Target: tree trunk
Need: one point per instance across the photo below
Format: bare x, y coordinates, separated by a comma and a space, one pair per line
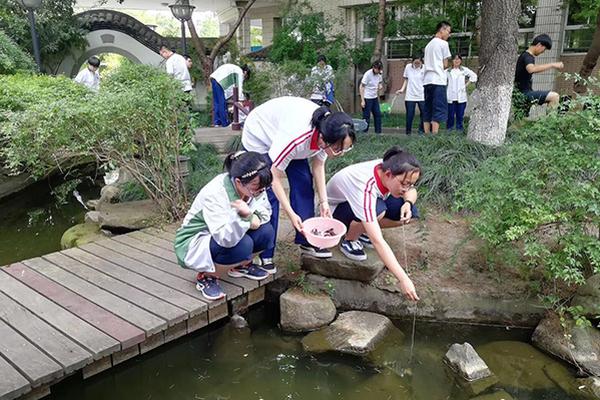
378, 50
591, 58
491, 100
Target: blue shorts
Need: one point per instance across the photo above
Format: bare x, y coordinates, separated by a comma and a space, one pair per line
391, 206
436, 105
536, 96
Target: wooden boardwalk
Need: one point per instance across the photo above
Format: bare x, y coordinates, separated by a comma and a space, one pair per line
90, 308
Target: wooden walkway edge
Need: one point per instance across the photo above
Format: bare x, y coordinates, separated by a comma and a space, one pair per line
87, 309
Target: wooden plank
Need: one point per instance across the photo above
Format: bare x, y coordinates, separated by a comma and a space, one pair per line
12, 384
96, 367
154, 341
127, 311
186, 286
217, 313
37, 393
166, 234
152, 240
87, 335
142, 252
154, 305
36, 366
256, 296
197, 322
191, 305
125, 355
62, 349
175, 332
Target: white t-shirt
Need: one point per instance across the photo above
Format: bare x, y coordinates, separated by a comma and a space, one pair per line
177, 67
436, 51
228, 76
89, 79
457, 88
414, 87
321, 78
371, 83
360, 186
281, 128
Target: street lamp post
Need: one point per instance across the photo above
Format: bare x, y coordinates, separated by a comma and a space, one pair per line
182, 10
31, 6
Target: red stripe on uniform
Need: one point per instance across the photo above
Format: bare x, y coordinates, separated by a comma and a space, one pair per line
367, 198
288, 149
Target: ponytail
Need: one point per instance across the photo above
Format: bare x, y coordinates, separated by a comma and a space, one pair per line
247, 165
399, 161
333, 126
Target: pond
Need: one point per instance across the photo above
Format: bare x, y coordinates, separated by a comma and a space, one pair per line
219, 363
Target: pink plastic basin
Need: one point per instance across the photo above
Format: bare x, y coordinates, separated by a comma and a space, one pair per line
323, 224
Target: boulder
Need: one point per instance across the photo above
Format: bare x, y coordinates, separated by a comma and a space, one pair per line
81, 234
577, 345
109, 194
470, 371
357, 333
131, 215
580, 389
339, 266
499, 395
302, 312
590, 387
588, 297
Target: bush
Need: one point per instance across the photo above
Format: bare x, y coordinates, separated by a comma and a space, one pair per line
543, 192
12, 58
137, 122
205, 164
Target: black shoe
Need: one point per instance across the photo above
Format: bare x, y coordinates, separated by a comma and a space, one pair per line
267, 265
311, 250
353, 249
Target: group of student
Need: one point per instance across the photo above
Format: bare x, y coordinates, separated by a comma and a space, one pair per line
233, 221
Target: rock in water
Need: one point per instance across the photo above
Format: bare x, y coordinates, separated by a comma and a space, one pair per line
301, 312
339, 266
81, 234
499, 395
463, 359
238, 322
588, 297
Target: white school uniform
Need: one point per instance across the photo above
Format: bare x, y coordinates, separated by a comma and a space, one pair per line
228, 76
371, 82
457, 88
414, 87
436, 51
88, 78
360, 186
177, 67
211, 216
281, 128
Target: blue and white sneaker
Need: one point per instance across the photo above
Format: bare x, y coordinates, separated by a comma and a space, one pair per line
365, 241
353, 249
209, 287
267, 265
250, 271
311, 250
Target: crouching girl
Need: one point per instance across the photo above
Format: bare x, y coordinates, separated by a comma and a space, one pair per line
228, 224
372, 195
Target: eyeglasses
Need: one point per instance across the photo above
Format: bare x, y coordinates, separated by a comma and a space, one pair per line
403, 184
256, 193
338, 150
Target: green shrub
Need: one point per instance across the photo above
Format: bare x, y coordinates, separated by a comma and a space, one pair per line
542, 192
12, 58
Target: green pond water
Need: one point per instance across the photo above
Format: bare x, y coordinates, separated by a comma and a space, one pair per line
219, 363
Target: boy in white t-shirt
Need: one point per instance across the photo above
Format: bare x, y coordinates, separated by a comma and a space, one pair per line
415, 96
370, 85
435, 79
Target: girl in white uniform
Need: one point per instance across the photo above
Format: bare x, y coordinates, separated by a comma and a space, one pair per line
456, 93
290, 131
372, 195
228, 224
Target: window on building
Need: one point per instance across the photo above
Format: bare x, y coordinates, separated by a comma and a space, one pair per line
256, 34
527, 17
578, 32
525, 38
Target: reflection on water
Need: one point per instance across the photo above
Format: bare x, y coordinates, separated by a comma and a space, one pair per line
262, 363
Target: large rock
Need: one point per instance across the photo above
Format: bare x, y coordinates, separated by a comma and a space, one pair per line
577, 345
590, 387
356, 333
499, 395
580, 389
131, 215
81, 234
588, 297
109, 194
471, 372
301, 312
340, 266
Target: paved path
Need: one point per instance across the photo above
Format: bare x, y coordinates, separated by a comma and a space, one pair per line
90, 308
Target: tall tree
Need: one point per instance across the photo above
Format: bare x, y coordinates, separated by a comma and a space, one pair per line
378, 50
497, 59
207, 60
591, 58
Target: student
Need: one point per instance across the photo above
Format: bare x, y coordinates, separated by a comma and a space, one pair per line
223, 79
526, 67
413, 84
228, 224
372, 195
370, 85
89, 76
322, 77
177, 67
290, 131
437, 53
458, 77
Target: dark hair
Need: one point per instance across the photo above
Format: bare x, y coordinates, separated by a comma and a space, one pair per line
94, 61
399, 161
441, 25
321, 57
334, 126
187, 57
455, 56
377, 64
247, 165
247, 70
544, 40
164, 46
417, 56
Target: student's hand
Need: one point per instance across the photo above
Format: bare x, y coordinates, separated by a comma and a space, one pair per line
254, 222
408, 289
297, 222
362, 103
559, 65
405, 213
325, 210
241, 207
399, 91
